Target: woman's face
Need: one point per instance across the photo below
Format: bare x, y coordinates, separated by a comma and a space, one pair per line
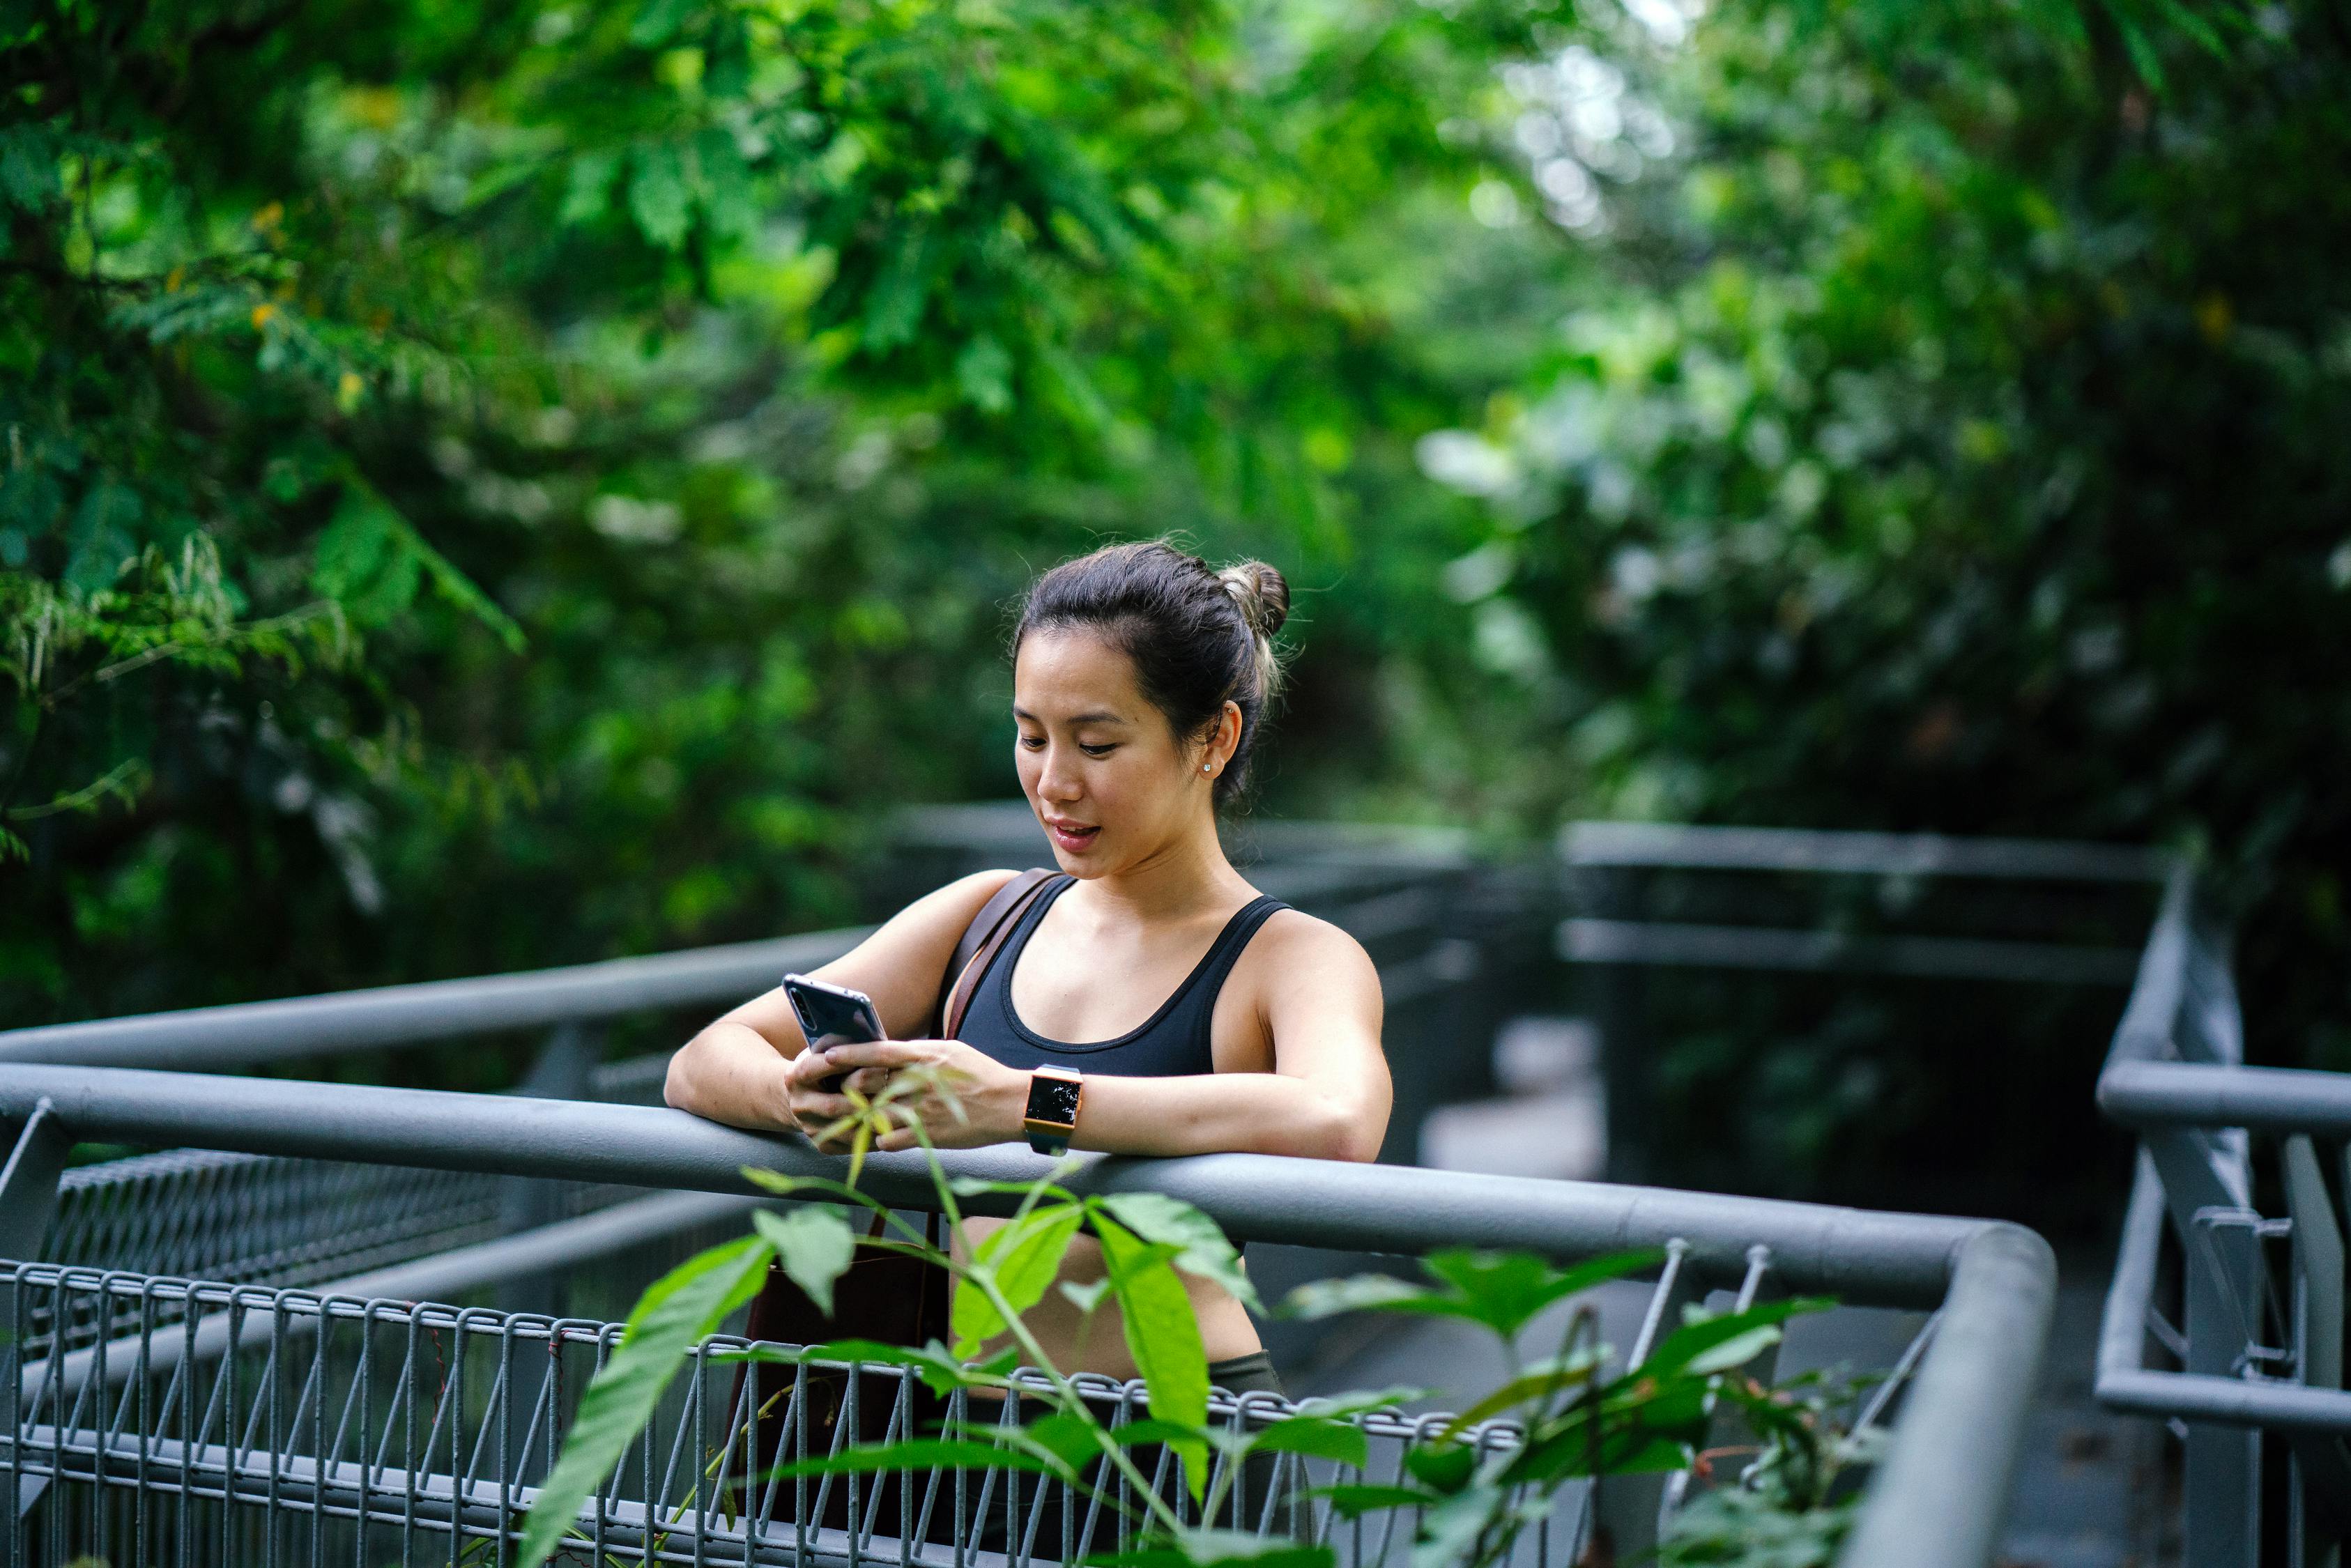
1101, 768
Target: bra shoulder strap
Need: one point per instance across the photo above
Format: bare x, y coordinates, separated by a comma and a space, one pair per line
981, 940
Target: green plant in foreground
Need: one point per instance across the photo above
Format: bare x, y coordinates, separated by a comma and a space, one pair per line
1569, 1420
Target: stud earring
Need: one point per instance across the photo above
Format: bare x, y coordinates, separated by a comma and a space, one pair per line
1206, 769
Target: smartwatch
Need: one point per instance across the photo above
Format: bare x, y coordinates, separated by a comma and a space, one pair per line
1054, 1095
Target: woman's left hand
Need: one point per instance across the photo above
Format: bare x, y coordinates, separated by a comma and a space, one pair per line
994, 1098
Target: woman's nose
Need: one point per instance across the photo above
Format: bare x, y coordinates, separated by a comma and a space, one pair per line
1057, 784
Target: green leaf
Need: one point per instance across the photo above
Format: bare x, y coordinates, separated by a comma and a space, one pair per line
814, 1243
1538, 1382
983, 373
1445, 1468
1357, 1293
659, 199
1086, 1297
1680, 1348
589, 193
1504, 1290
1219, 1549
373, 562
1163, 1335
1317, 1437
680, 1309
1354, 1501
894, 305
1448, 1528
1204, 1248
923, 1454
1737, 1351
1358, 1401
1066, 1437
28, 168
1022, 1259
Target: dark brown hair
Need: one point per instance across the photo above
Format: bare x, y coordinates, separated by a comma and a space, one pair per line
1199, 637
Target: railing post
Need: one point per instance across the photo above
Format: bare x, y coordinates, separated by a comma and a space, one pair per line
38, 1148
2224, 1290
1620, 1003
1630, 1507
2319, 1498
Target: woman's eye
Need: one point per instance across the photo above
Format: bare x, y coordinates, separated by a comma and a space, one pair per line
1097, 751
1033, 742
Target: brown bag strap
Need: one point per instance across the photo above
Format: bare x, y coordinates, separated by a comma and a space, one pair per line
982, 940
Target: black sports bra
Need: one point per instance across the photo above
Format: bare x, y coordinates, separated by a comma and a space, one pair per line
1172, 1043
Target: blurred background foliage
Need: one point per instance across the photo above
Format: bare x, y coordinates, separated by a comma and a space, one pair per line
488, 485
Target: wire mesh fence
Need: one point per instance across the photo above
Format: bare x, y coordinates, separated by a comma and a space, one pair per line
188, 1424
258, 1219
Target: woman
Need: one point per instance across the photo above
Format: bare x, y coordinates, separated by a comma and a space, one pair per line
1198, 1014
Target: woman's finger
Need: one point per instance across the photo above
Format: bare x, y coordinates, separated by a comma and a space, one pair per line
869, 1081
808, 1067
876, 1053
820, 1110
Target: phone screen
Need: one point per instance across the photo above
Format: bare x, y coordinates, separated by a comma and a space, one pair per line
831, 1014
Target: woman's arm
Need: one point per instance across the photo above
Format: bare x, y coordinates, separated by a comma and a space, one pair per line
738, 1068
1328, 1096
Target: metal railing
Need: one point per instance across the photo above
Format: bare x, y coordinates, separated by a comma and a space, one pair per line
281, 1417
1652, 895
2247, 1308
1444, 932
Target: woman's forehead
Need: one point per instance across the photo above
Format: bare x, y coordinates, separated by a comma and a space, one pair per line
1072, 674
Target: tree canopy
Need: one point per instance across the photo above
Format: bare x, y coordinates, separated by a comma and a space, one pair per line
492, 485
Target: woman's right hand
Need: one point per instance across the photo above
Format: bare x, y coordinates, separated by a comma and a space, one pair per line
815, 1102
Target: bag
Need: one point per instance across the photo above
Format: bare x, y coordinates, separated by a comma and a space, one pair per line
884, 1296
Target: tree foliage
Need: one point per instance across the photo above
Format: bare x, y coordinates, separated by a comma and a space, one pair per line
485, 485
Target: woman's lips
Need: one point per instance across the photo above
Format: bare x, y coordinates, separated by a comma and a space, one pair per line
1074, 835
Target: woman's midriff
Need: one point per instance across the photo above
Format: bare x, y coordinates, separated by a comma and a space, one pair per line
1078, 1341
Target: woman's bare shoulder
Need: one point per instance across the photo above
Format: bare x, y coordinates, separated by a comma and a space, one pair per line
1293, 947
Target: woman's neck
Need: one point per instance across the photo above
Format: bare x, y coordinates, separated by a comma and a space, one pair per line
1180, 877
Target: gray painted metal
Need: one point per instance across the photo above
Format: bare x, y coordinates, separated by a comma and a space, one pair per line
1892, 1260
1882, 854
249, 1033
442, 1277
373, 1431
1673, 943
1939, 1499
2280, 1100
2124, 1380
38, 1148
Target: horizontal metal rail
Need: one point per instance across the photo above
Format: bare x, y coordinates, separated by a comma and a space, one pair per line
2280, 1100
2125, 1383
1375, 901
1687, 847
245, 1034
1680, 943
1940, 1492
439, 1277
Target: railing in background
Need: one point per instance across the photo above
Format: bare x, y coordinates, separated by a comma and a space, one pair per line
1614, 933
2247, 1307
1445, 930
115, 1436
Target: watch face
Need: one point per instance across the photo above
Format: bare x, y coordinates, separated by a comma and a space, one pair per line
1053, 1101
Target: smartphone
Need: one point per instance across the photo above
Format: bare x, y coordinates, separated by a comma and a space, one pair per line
832, 1015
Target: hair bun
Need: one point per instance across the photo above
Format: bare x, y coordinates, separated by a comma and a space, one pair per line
1262, 593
